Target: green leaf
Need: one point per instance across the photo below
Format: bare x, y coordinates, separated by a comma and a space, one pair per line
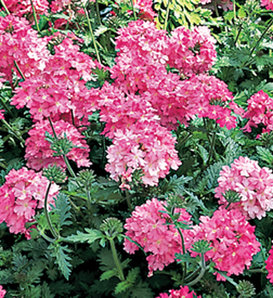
265, 154
90, 236
62, 258
108, 274
62, 209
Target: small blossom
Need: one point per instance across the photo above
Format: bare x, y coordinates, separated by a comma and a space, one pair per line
269, 265
183, 292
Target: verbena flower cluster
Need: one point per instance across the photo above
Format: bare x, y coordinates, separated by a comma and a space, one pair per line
21, 194
253, 183
259, 111
232, 240
183, 292
38, 152
21, 8
147, 226
20, 44
269, 265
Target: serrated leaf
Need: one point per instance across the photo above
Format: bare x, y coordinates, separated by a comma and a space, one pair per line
90, 236
265, 154
122, 287
108, 274
62, 209
62, 258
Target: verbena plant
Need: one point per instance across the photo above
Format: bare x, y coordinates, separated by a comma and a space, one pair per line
136, 148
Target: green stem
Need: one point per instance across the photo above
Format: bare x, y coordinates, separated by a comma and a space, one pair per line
5, 7
128, 201
19, 70
261, 37
211, 147
6, 107
92, 34
167, 16
52, 127
238, 34
35, 16
49, 239
134, 13
184, 252
18, 136
98, 12
52, 230
116, 259
202, 272
70, 170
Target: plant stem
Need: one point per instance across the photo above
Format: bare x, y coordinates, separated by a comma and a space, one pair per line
19, 70
54, 233
184, 252
6, 107
202, 272
98, 12
5, 7
92, 34
35, 16
261, 37
18, 136
134, 13
167, 15
116, 259
70, 170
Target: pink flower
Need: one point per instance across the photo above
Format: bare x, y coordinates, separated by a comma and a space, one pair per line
144, 146
269, 265
268, 4
2, 292
147, 226
2, 114
232, 240
38, 152
23, 192
183, 292
24, 7
252, 183
259, 111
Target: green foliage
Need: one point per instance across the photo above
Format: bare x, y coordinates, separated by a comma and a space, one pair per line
62, 258
90, 236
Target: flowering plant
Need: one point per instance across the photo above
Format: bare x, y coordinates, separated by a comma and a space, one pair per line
136, 148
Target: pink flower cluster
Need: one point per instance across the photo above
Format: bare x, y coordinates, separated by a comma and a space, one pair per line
54, 86
268, 4
2, 292
23, 192
145, 9
38, 152
145, 146
147, 226
20, 44
269, 265
21, 8
60, 87
232, 240
191, 52
253, 183
183, 292
145, 51
259, 111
